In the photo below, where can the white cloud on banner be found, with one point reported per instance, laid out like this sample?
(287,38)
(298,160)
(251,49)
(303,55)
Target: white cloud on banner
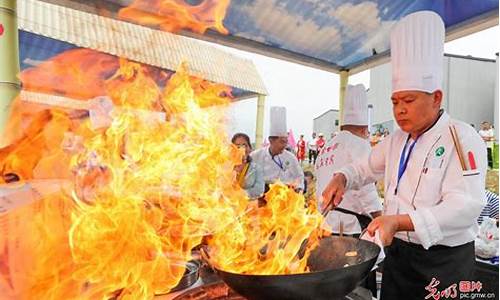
(357,20)
(346,26)
(379,40)
(362,22)
(300,34)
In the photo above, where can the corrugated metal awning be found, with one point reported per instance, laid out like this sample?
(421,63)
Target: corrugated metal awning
(138,43)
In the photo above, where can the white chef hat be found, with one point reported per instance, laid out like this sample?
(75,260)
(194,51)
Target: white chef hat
(417,45)
(355,106)
(278,121)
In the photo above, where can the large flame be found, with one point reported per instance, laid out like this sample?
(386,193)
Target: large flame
(176,15)
(143,193)
(268,240)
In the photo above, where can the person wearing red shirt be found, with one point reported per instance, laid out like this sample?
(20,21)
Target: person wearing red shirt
(301,149)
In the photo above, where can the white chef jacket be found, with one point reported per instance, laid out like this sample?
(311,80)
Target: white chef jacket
(289,172)
(442,201)
(343,149)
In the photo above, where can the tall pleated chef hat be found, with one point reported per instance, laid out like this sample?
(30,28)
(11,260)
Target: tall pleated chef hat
(417,45)
(355,106)
(278,121)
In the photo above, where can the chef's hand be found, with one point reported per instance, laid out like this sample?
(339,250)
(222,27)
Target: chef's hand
(387,227)
(335,189)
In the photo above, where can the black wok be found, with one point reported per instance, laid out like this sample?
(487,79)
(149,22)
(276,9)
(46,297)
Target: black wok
(329,277)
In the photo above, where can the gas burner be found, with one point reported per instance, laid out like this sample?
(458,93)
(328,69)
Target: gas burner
(220,291)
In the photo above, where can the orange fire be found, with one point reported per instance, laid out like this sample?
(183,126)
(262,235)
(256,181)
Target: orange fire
(267,239)
(132,200)
(176,15)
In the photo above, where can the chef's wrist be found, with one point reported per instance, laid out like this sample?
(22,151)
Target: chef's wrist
(342,178)
(404,223)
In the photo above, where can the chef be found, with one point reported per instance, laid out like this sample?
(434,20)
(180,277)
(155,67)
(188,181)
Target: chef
(434,173)
(349,145)
(277,163)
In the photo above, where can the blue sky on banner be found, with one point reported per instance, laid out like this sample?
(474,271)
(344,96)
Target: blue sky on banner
(337,31)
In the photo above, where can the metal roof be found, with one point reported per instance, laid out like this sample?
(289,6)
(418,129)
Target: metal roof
(332,35)
(69,28)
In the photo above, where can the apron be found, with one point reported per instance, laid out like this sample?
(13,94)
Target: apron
(409,270)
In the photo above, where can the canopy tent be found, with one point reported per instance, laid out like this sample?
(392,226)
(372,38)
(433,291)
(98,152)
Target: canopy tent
(335,35)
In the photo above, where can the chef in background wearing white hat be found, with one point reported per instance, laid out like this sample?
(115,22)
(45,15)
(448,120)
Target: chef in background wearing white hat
(433,168)
(277,163)
(349,145)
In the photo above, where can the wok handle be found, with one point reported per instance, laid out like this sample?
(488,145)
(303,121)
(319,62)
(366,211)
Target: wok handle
(363,220)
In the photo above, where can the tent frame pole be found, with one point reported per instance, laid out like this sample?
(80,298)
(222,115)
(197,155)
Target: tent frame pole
(259,126)
(9,61)
(344,79)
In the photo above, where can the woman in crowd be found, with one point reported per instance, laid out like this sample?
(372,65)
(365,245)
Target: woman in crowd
(248,173)
(301,149)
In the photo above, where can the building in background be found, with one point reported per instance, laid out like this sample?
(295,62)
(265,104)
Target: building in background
(469,91)
(327,123)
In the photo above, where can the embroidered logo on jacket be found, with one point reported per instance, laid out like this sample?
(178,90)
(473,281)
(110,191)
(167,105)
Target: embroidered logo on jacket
(440,151)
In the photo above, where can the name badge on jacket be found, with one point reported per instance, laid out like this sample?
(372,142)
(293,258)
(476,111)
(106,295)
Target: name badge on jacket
(435,159)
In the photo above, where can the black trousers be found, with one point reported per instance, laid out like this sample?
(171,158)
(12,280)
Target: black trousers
(490,157)
(409,269)
(313,154)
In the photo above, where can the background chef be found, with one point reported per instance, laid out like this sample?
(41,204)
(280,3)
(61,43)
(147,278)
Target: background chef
(349,145)
(277,163)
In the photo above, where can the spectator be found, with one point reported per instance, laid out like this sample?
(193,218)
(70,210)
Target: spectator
(301,149)
(491,208)
(313,149)
(488,135)
(248,174)
(320,143)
